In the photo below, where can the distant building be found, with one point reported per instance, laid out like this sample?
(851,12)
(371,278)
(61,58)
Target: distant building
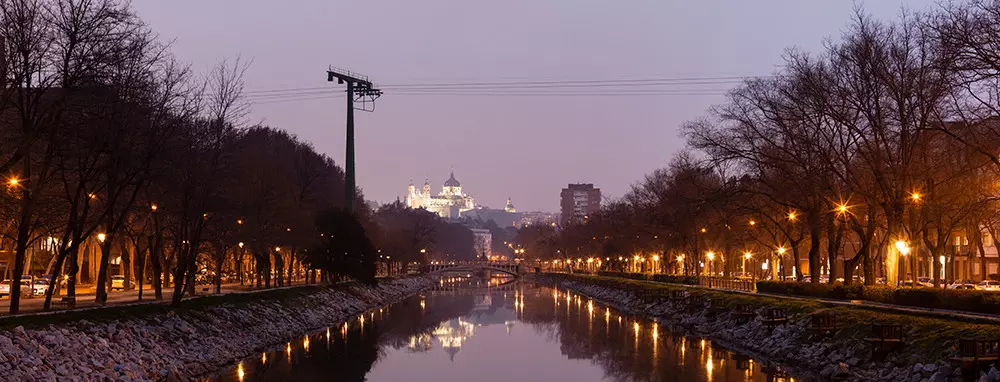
(578,201)
(451,202)
(507,217)
(483,242)
(538,217)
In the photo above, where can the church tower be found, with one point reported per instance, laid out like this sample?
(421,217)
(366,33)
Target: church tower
(510,206)
(411,194)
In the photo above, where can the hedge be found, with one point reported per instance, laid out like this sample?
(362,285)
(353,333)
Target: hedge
(934,298)
(670,279)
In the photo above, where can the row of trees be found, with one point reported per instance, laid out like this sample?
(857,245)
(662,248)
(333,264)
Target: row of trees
(884,143)
(107,141)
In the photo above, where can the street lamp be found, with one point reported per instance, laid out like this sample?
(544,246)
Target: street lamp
(791,215)
(101,237)
(915,196)
(902,247)
(710,256)
(153,207)
(842,209)
(240,244)
(13,182)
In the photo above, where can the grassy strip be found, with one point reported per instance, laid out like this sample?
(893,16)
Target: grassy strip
(926,337)
(976,301)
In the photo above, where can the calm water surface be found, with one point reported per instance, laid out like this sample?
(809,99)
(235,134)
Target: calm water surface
(474,330)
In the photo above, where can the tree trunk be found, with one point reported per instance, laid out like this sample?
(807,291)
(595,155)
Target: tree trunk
(220,258)
(102,271)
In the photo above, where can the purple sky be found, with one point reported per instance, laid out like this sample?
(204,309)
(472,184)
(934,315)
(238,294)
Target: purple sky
(527,148)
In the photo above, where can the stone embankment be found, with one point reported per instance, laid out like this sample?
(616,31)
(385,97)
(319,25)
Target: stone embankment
(186,343)
(844,356)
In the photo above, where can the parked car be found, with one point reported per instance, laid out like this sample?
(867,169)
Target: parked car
(962,286)
(5,288)
(988,285)
(117,283)
(910,284)
(40,287)
(925,281)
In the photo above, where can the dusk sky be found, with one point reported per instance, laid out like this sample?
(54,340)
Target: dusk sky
(525,147)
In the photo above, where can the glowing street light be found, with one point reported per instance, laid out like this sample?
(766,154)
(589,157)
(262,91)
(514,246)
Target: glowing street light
(153,207)
(902,247)
(101,237)
(915,196)
(277,249)
(752,223)
(842,209)
(240,244)
(710,255)
(747,255)
(423,251)
(13,182)
(781,250)
(792,215)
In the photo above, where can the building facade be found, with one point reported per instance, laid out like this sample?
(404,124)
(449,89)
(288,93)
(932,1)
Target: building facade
(451,202)
(578,201)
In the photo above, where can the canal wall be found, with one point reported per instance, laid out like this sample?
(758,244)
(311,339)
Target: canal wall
(157,343)
(929,343)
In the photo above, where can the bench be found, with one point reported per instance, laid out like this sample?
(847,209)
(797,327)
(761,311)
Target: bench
(695,303)
(744,314)
(678,296)
(775,373)
(885,337)
(717,305)
(823,324)
(743,362)
(976,351)
(772,317)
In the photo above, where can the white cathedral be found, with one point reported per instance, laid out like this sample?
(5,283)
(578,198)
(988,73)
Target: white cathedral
(451,202)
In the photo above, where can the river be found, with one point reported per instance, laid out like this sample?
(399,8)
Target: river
(471,329)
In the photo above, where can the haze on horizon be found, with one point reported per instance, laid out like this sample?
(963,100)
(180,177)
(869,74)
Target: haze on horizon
(524,147)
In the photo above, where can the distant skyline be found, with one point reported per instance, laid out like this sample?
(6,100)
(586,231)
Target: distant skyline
(527,148)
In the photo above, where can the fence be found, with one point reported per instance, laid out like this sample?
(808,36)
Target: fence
(727,283)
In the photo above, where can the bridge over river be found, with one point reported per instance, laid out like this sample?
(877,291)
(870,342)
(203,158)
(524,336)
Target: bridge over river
(506,267)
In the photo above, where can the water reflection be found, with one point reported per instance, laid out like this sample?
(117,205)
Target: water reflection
(493,330)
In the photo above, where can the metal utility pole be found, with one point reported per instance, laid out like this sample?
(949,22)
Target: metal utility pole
(359,88)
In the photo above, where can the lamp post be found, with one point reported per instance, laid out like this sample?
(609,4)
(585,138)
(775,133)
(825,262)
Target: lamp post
(904,250)
(781,262)
(710,256)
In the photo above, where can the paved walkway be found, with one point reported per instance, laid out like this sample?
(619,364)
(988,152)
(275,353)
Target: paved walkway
(86,295)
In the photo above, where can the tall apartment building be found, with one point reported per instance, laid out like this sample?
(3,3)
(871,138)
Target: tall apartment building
(578,201)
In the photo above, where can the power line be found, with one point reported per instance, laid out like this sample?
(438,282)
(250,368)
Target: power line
(300,99)
(529,84)
(557,94)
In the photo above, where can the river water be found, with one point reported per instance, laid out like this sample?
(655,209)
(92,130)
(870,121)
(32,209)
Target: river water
(479,330)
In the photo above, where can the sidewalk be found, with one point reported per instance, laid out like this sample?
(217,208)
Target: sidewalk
(85,298)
